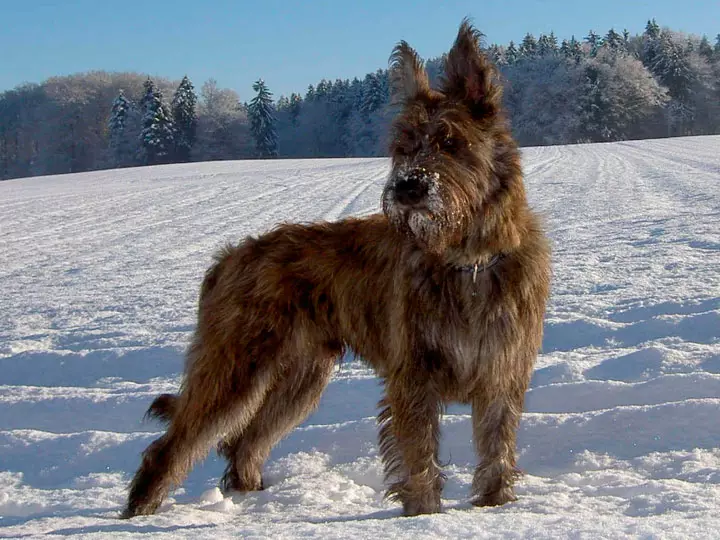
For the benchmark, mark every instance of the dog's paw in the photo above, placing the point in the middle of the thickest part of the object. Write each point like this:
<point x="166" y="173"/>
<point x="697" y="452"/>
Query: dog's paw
<point x="231" y="481"/>
<point x="495" y="498"/>
<point x="429" y="504"/>
<point x="139" y="509"/>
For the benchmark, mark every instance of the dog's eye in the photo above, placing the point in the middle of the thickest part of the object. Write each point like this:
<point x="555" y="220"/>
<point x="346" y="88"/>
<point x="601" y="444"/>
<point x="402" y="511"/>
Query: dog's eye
<point x="405" y="144"/>
<point x="401" y="149"/>
<point x="449" y="144"/>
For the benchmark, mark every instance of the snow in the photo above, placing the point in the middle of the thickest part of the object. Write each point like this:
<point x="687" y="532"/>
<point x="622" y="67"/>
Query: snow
<point x="100" y="272"/>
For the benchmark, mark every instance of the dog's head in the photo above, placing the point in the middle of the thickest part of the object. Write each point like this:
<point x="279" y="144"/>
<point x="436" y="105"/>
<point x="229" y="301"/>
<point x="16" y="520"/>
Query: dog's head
<point x="444" y="144"/>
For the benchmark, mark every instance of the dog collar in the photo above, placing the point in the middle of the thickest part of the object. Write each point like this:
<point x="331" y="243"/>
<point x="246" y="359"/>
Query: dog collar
<point x="476" y="268"/>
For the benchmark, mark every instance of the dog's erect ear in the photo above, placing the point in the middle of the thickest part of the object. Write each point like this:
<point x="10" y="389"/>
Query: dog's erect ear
<point x="470" y="75"/>
<point x="408" y="78"/>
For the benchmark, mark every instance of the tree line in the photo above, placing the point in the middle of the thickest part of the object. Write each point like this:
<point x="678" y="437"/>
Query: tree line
<point x="615" y="86"/>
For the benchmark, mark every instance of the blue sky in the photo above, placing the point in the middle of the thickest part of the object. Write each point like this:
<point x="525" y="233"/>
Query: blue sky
<point x="290" y="44"/>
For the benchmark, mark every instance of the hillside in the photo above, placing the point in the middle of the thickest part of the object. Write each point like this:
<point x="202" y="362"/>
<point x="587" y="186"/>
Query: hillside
<point x="100" y="272"/>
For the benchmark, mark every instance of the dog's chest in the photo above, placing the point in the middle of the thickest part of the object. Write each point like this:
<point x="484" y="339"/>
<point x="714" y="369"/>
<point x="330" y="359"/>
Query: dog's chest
<point x="471" y="334"/>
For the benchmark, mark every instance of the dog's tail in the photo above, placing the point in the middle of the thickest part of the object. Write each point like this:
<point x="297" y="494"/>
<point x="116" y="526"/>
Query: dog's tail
<point x="163" y="407"/>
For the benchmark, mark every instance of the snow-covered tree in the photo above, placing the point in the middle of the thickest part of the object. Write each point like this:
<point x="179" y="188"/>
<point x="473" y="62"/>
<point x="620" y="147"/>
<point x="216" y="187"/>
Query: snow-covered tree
<point x="262" y="121"/>
<point x="626" y="39"/>
<point x="294" y="107"/>
<point x="594" y="42"/>
<point x="511" y="53"/>
<point x="223" y="128"/>
<point x="310" y="93"/>
<point x="547" y="44"/>
<point x="613" y="41"/>
<point x="528" y="46"/>
<point x="650" y="39"/>
<point x="185" y="118"/>
<point x="542" y="100"/>
<point x="158" y="133"/>
<point x="618" y="94"/>
<point x="652" y="29"/>
<point x="672" y="66"/>
<point x="123" y="126"/>
<point x="496" y="54"/>
<point x="705" y="50"/>
<point x="322" y="89"/>
<point x="572" y="50"/>
<point x="375" y="93"/>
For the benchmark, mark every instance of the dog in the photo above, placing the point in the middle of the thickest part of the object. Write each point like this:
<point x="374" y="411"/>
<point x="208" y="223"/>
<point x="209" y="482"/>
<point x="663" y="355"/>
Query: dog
<point x="443" y="294"/>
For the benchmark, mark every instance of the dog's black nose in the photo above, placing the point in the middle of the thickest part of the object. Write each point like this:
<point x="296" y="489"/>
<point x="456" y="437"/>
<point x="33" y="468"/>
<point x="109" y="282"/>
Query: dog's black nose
<point x="411" y="190"/>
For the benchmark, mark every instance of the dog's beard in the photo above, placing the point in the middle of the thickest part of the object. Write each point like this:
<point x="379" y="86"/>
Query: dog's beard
<point x="429" y="225"/>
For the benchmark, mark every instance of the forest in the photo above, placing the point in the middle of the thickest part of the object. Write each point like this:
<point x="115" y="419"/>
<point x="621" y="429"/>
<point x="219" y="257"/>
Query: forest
<point x="601" y="87"/>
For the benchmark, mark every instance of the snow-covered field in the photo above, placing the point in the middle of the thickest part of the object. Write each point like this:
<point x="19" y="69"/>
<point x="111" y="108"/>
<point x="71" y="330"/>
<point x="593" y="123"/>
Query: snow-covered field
<point x="99" y="274"/>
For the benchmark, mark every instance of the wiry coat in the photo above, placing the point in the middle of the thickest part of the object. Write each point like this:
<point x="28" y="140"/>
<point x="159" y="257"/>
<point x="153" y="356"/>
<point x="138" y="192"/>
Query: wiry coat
<point x="405" y="289"/>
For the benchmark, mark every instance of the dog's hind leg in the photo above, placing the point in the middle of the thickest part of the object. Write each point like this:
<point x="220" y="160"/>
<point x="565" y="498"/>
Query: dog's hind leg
<point x="292" y="398"/>
<point x="209" y="404"/>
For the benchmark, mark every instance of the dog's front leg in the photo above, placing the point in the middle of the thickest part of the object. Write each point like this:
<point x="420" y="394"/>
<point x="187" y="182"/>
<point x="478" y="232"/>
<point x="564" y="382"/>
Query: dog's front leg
<point x="495" y="421"/>
<point x="409" y="443"/>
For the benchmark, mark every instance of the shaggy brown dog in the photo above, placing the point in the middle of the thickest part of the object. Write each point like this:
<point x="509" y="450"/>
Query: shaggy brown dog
<point x="443" y="295"/>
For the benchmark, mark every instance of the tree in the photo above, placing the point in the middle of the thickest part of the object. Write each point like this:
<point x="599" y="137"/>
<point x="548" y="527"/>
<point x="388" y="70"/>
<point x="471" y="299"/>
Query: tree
<point x="617" y="95"/>
<point x="511" y="53"/>
<point x="614" y="41"/>
<point x="158" y="133"/>
<point x="496" y="54"/>
<point x="652" y="29"/>
<point x="123" y="128"/>
<point x="547" y="44"/>
<point x="262" y="121"/>
<point x="650" y="38"/>
<point x="185" y="118"/>
<point x="705" y="50"/>
<point x="672" y="66"/>
<point x="594" y="41"/>
<point x="572" y="50"/>
<point x="541" y="97"/>
<point x="294" y="107"/>
<point x="528" y="46"/>
<point x="223" y="131"/>
<point x="310" y="94"/>
<point x="374" y="93"/>
<point x="626" y="39"/>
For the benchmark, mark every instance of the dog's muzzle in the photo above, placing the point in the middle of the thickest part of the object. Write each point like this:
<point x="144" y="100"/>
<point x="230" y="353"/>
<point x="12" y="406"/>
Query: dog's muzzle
<point x="412" y="188"/>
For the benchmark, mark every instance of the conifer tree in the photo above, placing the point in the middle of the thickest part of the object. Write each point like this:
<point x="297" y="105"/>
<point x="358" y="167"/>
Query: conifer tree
<point x="496" y="54"/>
<point x="613" y="41"/>
<point x="122" y="126"/>
<point x="650" y="38"/>
<point x="705" y="49"/>
<point x="572" y="50"/>
<point x="626" y="39"/>
<point x="158" y="133"/>
<point x="547" y="44"/>
<point x="511" y="53"/>
<point x="528" y="47"/>
<point x="652" y="29"/>
<point x="310" y="94"/>
<point x="565" y="48"/>
<point x="294" y="107"/>
<point x="373" y="93"/>
<point x="672" y="67"/>
<point x="595" y="42"/>
<point x="262" y="121"/>
<point x="184" y="115"/>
